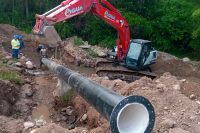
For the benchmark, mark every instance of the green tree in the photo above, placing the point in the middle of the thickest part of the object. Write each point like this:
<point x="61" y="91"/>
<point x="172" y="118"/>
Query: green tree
<point x="195" y="43"/>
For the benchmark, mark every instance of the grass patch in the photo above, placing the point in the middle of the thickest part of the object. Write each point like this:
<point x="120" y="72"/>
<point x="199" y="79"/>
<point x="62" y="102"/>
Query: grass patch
<point x="91" y="53"/>
<point x="11" y="76"/>
<point x="67" y="96"/>
<point x="78" y="41"/>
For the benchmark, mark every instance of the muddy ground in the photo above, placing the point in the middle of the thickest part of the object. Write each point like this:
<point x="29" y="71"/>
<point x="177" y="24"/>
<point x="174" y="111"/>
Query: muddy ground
<point x="34" y="106"/>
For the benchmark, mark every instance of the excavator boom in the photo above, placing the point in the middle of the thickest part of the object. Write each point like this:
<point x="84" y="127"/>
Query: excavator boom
<point x="70" y="8"/>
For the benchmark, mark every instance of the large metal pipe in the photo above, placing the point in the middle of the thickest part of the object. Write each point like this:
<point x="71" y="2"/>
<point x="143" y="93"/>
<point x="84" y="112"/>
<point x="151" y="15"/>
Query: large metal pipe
<point x="132" y="114"/>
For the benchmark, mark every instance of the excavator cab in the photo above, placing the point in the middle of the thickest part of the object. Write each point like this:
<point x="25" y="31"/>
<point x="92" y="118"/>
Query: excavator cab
<point x="140" y="55"/>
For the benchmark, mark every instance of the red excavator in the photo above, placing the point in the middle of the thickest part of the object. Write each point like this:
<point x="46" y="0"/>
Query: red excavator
<point x="132" y="56"/>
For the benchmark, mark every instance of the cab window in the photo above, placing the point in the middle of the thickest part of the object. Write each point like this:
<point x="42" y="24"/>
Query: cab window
<point x="134" y="51"/>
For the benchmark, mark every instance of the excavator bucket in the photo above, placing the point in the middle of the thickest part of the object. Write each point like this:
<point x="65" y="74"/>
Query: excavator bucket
<point x="49" y="36"/>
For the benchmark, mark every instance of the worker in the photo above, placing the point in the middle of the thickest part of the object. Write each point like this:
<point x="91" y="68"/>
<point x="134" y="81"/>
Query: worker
<point x="21" y="41"/>
<point x="43" y="54"/>
<point x="15" y="47"/>
<point x="40" y="46"/>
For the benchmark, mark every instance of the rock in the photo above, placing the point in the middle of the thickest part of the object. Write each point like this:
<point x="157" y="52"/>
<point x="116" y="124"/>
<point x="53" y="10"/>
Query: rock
<point x="22" y="105"/>
<point x="198" y="102"/>
<point x="183" y="80"/>
<point x="18" y="64"/>
<point x="67" y="111"/>
<point x="29" y="65"/>
<point x="186" y="59"/>
<point x="72" y="126"/>
<point x="28" y="124"/>
<point x="83" y="118"/>
<point x="85" y="46"/>
<point x="71" y="119"/>
<point x="23" y="58"/>
<point x="178" y="130"/>
<point x="192" y="118"/>
<point x="177" y="87"/>
<point x="64" y="118"/>
<point x="99" y="51"/>
<point x="85" y="43"/>
<point x="8" y="57"/>
<point x="34" y="131"/>
<point x="55" y="78"/>
<point x="192" y="97"/>
<point x="27" y="80"/>
<point x="6" y="82"/>
<point x="10" y="62"/>
<point x="27" y="91"/>
<point x="106" y="78"/>
<point x="161" y="87"/>
<point x="165" y="108"/>
<point x="58" y="119"/>
<point x="19" y="69"/>
<point x="168" y="123"/>
<point x="40" y="122"/>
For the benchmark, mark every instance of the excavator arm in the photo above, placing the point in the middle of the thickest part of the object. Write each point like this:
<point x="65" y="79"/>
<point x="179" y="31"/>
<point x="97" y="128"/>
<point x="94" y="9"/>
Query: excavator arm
<point x="67" y="9"/>
<point x="70" y="8"/>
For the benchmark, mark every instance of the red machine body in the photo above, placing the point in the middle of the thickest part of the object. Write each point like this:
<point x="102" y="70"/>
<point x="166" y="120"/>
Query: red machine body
<point x="101" y="8"/>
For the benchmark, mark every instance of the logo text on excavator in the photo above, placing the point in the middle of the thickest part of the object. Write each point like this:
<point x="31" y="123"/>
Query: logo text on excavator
<point x="73" y="10"/>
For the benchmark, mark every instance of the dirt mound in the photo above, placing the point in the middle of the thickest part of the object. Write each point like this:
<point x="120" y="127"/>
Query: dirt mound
<point x="7" y="32"/>
<point x="173" y="108"/>
<point x="8" y="97"/>
<point x="176" y="66"/>
<point x="76" y="55"/>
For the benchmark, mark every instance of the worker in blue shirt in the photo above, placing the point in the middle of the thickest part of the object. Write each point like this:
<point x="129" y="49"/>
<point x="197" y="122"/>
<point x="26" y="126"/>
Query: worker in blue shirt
<point x="21" y="41"/>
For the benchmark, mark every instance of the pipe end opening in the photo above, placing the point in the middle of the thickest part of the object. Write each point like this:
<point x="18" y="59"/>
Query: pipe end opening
<point x="134" y="114"/>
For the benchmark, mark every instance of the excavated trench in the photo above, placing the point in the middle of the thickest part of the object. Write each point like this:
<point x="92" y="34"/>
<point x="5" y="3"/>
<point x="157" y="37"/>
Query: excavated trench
<point x="44" y="104"/>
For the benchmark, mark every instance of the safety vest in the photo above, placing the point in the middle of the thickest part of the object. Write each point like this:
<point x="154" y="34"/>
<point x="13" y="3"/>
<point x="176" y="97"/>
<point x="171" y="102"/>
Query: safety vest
<point x="15" y="44"/>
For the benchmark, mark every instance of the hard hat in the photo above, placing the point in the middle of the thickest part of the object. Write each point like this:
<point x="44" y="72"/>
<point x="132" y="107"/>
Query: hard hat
<point x="20" y="37"/>
<point x="41" y="46"/>
<point x="15" y="36"/>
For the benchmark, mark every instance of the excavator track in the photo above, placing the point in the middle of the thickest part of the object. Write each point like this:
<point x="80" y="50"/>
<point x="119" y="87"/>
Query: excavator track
<point x="106" y="68"/>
